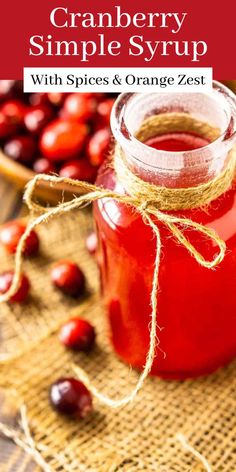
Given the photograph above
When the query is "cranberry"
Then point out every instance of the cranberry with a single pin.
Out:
(43, 166)
(15, 111)
(62, 139)
(36, 99)
(77, 334)
(10, 234)
(97, 95)
(91, 243)
(7, 128)
(68, 277)
(98, 146)
(79, 170)
(37, 118)
(56, 98)
(21, 149)
(6, 88)
(104, 110)
(70, 397)
(23, 290)
(79, 106)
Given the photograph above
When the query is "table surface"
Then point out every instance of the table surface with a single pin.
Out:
(12, 458)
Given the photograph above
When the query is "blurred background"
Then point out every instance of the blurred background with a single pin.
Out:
(51, 133)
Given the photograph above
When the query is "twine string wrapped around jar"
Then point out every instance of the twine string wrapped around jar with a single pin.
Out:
(151, 202)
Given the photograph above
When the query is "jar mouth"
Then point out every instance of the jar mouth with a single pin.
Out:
(130, 107)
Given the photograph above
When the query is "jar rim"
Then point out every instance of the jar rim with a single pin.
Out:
(135, 148)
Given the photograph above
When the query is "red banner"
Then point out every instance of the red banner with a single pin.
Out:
(70, 33)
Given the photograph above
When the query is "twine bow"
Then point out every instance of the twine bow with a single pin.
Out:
(152, 214)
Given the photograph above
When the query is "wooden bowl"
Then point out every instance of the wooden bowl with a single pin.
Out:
(231, 84)
(20, 175)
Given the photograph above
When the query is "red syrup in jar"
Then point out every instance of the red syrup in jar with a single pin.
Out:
(177, 142)
(196, 306)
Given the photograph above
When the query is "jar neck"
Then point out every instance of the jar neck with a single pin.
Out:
(138, 117)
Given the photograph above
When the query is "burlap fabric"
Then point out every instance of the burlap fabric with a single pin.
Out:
(139, 437)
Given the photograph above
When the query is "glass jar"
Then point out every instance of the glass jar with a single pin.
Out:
(196, 306)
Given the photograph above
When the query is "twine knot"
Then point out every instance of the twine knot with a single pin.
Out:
(144, 206)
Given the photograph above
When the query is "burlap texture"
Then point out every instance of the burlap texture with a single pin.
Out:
(139, 437)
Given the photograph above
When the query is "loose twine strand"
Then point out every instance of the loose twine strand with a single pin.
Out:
(154, 340)
(150, 201)
(30, 447)
(27, 444)
(183, 441)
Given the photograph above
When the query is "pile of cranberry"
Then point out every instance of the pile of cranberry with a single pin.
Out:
(67, 395)
(55, 132)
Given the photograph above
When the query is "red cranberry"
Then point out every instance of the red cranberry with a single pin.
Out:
(37, 118)
(104, 110)
(79, 170)
(98, 146)
(91, 243)
(97, 95)
(10, 235)
(63, 140)
(77, 334)
(79, 107)
(6, 88)
(7, 128)
(68, 277)
(36, 99)
(15, 111)
(43, 166)
(21, 149)
(57, 98)
(23, 290)
(70, 397)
